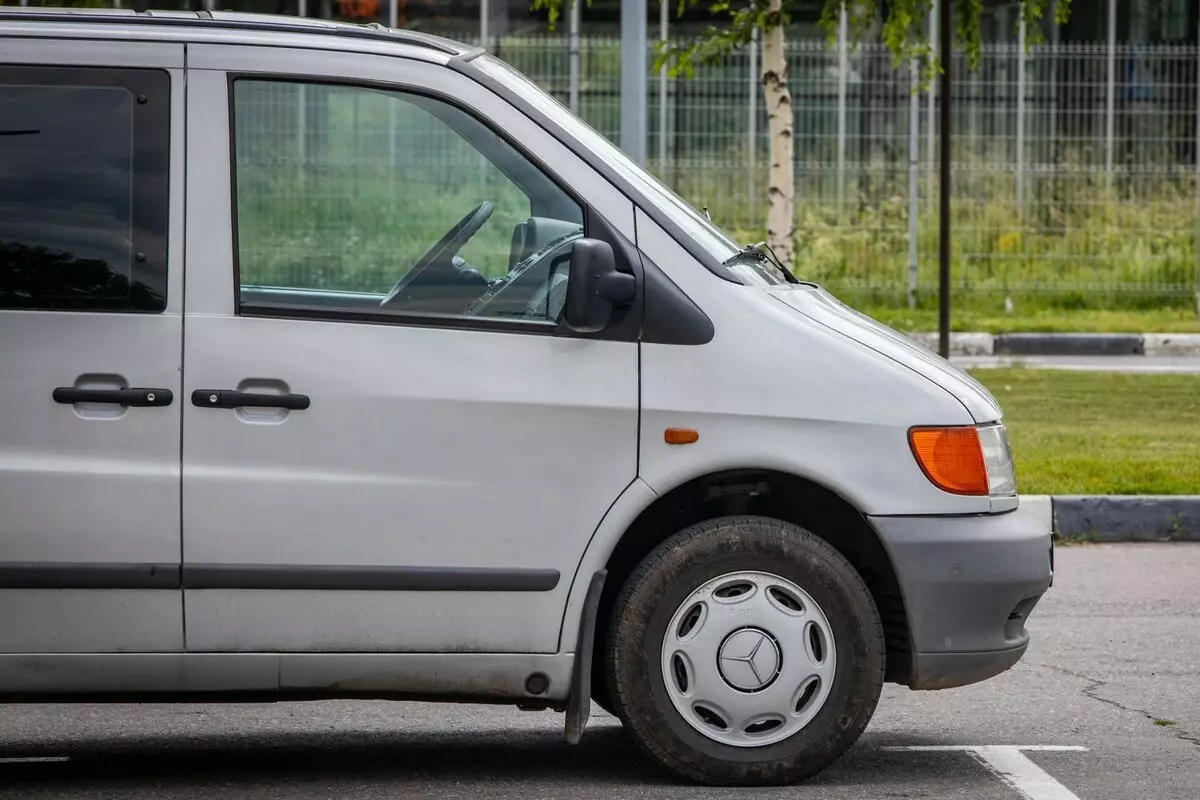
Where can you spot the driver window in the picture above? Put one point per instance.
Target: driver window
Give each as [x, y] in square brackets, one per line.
[359, 199]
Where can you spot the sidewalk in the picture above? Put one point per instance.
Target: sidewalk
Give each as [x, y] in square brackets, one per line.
[978, 343]
[1145, 365]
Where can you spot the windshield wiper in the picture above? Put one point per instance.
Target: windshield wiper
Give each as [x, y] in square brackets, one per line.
[760, 251]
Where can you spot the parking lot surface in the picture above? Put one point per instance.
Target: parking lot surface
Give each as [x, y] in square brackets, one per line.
[1108, 696]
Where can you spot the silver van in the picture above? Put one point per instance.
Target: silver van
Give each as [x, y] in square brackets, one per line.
[341, 361]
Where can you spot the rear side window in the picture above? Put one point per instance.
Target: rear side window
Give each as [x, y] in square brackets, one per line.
[84, 160]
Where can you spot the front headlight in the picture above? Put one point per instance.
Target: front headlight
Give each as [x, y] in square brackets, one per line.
[968, 460]
[997, 459]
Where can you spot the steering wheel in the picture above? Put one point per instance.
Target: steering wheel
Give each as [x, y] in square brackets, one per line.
[441, 254]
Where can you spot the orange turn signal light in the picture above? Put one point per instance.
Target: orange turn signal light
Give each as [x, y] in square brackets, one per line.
[951, 458]
[680, 436]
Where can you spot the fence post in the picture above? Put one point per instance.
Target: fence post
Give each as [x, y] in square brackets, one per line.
[663, 23]
[1051, 154]
[930, 148]
[633, 79]
[1111, 98]
[393, 22]
[1197, 246]
[1021, 114]
[573, 57]
[752, 81]
[914, 124]
[843, 69]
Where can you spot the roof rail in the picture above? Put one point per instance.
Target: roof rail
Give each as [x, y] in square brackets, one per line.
[235, 21]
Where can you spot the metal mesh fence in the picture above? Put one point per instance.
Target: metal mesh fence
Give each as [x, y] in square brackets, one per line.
[1074, 178]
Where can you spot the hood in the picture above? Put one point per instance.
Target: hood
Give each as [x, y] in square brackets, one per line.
[818, 305]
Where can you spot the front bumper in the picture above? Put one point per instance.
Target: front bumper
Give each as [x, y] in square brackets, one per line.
[969, 584]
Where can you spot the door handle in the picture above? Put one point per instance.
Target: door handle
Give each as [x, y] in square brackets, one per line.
[229, 398]
[69, 395]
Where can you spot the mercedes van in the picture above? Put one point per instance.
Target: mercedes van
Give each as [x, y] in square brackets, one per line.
[345, 362]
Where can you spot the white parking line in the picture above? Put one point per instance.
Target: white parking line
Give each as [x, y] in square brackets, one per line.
[1011, 765]
[962, 748]
[34, 759]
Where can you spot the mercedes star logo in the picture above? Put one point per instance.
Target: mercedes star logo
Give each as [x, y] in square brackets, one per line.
[749, 659]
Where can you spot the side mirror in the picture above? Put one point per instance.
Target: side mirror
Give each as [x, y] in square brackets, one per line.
[595, 287]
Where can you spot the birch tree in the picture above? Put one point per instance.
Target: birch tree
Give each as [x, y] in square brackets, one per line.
[900, 24]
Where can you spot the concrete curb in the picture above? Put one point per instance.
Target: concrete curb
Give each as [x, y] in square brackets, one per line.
[979, 343]
[1069, 344]
[961, 344]
[1118, 518]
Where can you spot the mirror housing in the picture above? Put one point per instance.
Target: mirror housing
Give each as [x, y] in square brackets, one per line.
[595, 287]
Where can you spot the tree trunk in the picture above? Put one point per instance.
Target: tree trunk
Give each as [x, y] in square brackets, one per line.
[781, 181]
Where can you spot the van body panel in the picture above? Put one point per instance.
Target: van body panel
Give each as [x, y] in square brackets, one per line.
[92, 483]
[425, 447]
[777, 390]
[817, 304]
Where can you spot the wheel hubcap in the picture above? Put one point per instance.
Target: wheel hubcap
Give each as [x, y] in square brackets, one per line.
[748, 659]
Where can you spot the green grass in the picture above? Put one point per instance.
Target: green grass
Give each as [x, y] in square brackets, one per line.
[1099, 432]
[1089, 320]
[1093, 248]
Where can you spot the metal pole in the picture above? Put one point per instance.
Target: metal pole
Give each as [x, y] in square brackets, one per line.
[752, 82]
[1197, 247]
[914, 122]
[1110, 102]
[930, 138]
[301, 8]
[393, 22]
[843, 70]
[573, 57]
[484, 12]
[1052, 153]
[663, 26]
[633, 79]
[945, 30]
[1021, 113]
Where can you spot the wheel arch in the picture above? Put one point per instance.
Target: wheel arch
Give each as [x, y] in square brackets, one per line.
[769, 493]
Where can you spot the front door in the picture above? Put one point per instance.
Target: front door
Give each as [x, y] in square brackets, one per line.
[390, 442]
[91, 306]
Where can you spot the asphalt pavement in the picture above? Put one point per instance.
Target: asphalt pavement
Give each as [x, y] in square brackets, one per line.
[1112, 679]
[1146, 364]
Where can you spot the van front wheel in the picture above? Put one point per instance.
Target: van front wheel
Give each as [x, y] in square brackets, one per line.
[745, 651]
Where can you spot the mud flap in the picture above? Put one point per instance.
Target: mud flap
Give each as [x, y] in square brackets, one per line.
[579, 705]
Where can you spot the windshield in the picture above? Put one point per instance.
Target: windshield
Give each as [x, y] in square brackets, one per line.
[696, 225]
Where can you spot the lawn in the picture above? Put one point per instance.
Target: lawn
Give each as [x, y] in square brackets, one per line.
[1099, 432]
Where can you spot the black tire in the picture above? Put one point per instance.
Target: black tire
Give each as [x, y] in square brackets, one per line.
[663, 581]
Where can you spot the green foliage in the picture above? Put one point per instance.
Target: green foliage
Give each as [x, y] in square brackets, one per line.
[359, 230]
[1104, 255]
[902, 27]
[1109, 264]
